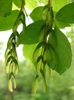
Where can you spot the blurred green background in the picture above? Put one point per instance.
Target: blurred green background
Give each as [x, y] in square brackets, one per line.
[60, 87]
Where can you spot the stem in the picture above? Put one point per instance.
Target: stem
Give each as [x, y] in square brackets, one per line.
[49, 2]
[22, 6]
[18, 18]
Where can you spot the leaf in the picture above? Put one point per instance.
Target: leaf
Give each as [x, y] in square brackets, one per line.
[7, 23]
[32, 33]
[31, 4]
[57, 4]
[36, 13]
[28, 51]
[5, 7]
[66, 14]
[61, 24]
[63, 50]
[18, 3]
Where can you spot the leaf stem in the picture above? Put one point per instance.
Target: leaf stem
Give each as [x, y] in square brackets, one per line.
[49, 2]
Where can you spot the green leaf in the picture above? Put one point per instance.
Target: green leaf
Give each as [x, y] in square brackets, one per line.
[31, 4]
[66, 14]
[7, 23]
[32, 33]
[28, 51]
[36, 13]
[57, 4]
[62, 24]
[18, 3]
[63, 50]
[5, 7]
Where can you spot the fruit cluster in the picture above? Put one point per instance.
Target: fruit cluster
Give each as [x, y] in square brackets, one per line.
[45, 52]
[11, 58]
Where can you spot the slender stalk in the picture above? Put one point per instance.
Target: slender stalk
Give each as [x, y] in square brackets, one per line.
[49, 2]
[22, 6]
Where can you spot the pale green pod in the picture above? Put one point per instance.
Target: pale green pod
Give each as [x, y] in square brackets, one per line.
[37, 52]
[52, 39]
[47, 55]
[7, 69]
[14, 53]
[9, 43]
[48, 18]
[10, 85]
[8, 60]
[44, 12]
[55, 56]
[16, 69]
[14, 82]
[35, 84]
[38, 64]
[44, 80]
[41, 35]
[38, 67]
[18, 41]
[44, 70]
[49, 72]
[44, 85]
[10, 68]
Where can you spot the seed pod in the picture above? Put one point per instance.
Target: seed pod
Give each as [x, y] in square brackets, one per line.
[41, 35]
[18, 41]
[7, 69]
[44, 11]
[16, 69]
[55, 56]
[52, 39]
[9, 43]
[8, 60]
[38, 65]
[44, 85]
[47, 55]
[37, 52]
[35, 84]
[14, 81]
[49, 16]
[49, 70]
[44, 81]
[14, 53]
[10, 85]
[44, 70]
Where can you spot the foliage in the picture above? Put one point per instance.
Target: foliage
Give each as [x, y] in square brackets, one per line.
[50, 48]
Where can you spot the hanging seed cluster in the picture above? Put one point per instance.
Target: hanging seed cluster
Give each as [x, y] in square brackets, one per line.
[11, 59]
[45, 52]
